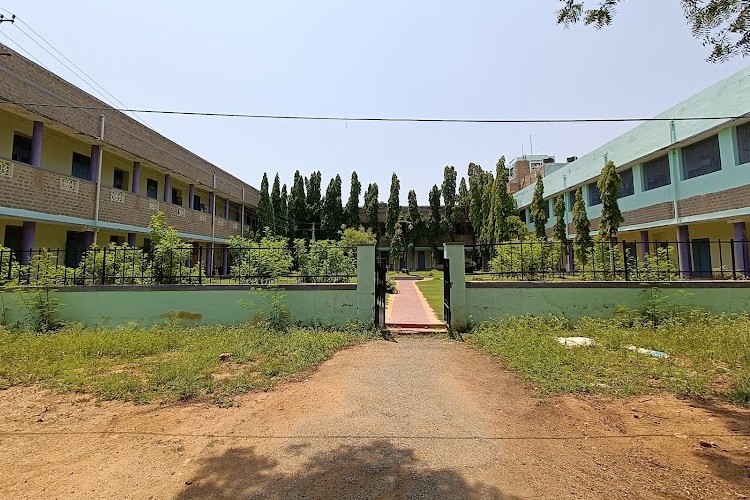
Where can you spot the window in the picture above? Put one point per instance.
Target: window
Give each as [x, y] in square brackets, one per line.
[177, 196]
[627, 188]
[701, 158]
[21, 149]
[571, 201]
[743, 143]
[119, 181]
[197, 202]
[656, 174]
[81, 167]
[152, 188]
[522, 215]
[117, 240]
[595, 197]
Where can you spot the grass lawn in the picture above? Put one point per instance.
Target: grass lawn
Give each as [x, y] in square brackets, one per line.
[709, 356]
[433, 292]
[165, 363]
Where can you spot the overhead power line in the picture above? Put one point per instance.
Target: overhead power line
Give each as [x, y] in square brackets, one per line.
[383, 119]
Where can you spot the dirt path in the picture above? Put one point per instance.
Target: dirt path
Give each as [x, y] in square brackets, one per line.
[417, 418]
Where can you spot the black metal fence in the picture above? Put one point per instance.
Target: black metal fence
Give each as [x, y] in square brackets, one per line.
[534, 260]
[319, 262]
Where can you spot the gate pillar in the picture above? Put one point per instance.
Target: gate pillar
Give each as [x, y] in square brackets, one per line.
[365, 283]
[454, 252]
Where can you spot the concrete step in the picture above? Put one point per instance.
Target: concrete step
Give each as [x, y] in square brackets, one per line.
[422, 330]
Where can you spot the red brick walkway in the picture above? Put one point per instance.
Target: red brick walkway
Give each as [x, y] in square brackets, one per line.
[409, 308]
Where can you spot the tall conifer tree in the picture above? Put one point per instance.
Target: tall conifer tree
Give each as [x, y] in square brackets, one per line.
[394, 207]
[539, 209]
[352, 204]
[265, 208]
[297, 219]
[372, 208]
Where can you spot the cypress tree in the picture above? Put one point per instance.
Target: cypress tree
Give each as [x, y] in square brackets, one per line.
[476, 190]
[314, 199]
[297, 219]
[333, 212]
[609, 184]
[265, 208]
[502, 204]
[352, 204]
[448, 192]
[486, 234]
[434, 221]
[415, 234]
[462, 202]
[394, 207]
[283, 217]
[582, 240]
[276, 204]
[560, 229]
[372, 207]
[539, 207]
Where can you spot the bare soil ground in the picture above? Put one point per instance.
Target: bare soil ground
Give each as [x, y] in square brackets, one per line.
[417, 418]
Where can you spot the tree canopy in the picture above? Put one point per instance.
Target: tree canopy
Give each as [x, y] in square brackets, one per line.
[448, 192]
[394, 208]
[297, 218]
[609, 185]
[539, 209]
[372, 207]
[265, 207]
[721, 25]
[352, 205]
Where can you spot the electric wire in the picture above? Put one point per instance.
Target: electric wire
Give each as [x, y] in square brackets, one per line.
[20, 48]
[383, 119]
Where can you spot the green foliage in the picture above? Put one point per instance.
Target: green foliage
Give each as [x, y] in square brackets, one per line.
[448, 191]
[601, 262]
[434, 224]
[278, 227]
[477, 180]
[297, 207]
[282, 216]
[517, 229]
[10, 269]
[333, 212]
[539, 209]
[394, 208]
[502, 205]
[351, 216]
[609, 185]
[660, 265]
[527, 261]
[582, 241]
[390, 286]
[114, 265]
[463, 202]
[260, 262]
[266, 219]
[314, 199]
[721, 25]
[560, 229]
[279, 317]
[372, 206]
[352, 237]
[168, 362]
[417, 231]
[485, 235]
[325, 261]
[170, 257]
[41, 308]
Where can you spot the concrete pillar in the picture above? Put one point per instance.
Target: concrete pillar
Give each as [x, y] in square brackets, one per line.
[366, 284]
[96, 152]
[454, 252]
[226, 209]
[225, 260]
[644, 244]
[211, 204]
[683, 239]
[88, 239]
[740, 248]
[167, 189]
[136, 177]
[131, 239]
[242, 221]
[36, 144]
[191, 196]
[28, 234]
[209, 259]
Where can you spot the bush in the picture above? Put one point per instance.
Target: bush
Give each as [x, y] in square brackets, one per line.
[391, 286]
[170, 257]
[114, 265]
[324, 261]
[531, 260]
[259, 263]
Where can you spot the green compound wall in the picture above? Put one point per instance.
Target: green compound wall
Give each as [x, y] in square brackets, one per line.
[310, 304]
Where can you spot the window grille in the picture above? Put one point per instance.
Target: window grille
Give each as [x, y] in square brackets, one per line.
[701, 158]
[656, 174]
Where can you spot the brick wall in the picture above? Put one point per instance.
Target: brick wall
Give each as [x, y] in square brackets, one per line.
[728, 199]
[25, 82]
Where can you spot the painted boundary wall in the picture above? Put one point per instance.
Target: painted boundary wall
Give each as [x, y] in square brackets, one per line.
[475, 302]
[310, 304]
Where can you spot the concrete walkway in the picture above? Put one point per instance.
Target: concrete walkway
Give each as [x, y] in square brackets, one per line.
[409, 308]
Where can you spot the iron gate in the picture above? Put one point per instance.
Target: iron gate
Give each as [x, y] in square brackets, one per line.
[381, 269]
[447, 293]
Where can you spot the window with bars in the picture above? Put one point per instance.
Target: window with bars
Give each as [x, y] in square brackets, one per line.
[743, 144]
[571, 201]
[21, 148]
[152, 188]
[627, 188]
[701, 158]
[656, 174]
[81, 167]
[522, 215]
[595, 197]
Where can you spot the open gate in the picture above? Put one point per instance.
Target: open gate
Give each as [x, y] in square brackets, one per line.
[381, 268]
[447, 293]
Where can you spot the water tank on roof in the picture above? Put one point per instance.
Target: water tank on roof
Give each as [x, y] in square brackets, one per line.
[571, 159]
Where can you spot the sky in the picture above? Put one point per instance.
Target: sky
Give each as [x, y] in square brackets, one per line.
[387, 58]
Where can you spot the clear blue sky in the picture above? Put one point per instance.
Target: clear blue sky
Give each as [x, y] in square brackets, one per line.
[416, 58]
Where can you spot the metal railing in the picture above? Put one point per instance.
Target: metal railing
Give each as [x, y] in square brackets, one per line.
[188, 265]
[535, 260]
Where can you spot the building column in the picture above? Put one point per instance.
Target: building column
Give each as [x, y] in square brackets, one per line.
[88, 239]
[209, 259]
[191, 196]
[131, 239]
[167, 189]
[136, 177]
[96, 152]
[226, 209]
[242, 220]
[683, 239]
[740, 248]
[225, 260]
[644, 245]
[28, 235]
[36, 144]
[211, 204]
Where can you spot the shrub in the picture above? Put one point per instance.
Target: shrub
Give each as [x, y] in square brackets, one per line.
[259, 263]
[324, 261]
[114, 265]
[170, 257]
[527, 261]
